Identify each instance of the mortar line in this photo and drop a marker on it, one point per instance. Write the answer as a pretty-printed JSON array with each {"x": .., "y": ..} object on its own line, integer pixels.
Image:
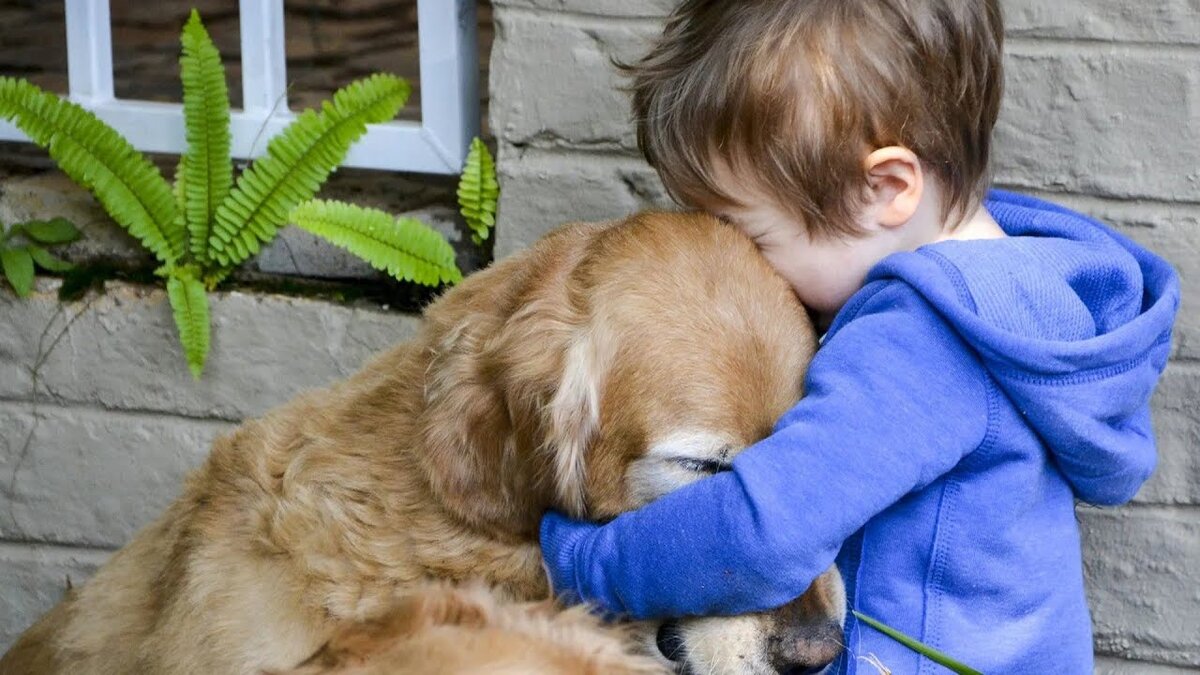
[
  {"x": 141, "y": 413},
  {"x": 582, "y": 19},
  {"x": 1045, "y": 45},
  {"x": 20, "y": 545}
]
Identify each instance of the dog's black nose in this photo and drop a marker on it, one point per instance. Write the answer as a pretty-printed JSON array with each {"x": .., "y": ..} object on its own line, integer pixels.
[
  {"x": 805, "y": 649},
  {"x": 670, "y": 641}
]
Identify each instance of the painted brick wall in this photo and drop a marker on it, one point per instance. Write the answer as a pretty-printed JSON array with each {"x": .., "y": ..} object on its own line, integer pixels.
[
  {"x": 1102, "y": 114},
  {"x": 99, "y": 420}
]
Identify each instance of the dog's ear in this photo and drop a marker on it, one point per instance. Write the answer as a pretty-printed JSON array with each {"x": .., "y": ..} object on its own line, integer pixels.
[
  {"x": 574, "y": 416},
  {"x": 511, "y": 377},
  {"x": 549, "y": 365}
]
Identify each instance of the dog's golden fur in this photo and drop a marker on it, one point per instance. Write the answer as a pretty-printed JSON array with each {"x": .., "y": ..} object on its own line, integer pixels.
[
  {"x": 448, "y": 630},
  {"x": 536, "y": 383}
]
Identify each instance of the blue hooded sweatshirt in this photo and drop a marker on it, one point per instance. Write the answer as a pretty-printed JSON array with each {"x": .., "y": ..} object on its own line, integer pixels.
[{"x": 962, "y": 401}]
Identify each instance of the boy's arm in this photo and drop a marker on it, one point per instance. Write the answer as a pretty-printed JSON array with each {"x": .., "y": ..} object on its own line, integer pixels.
[{"x": 894, "y": 400}]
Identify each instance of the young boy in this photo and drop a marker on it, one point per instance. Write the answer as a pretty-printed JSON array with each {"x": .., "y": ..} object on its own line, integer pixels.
[{"x": 989, "y": 361}]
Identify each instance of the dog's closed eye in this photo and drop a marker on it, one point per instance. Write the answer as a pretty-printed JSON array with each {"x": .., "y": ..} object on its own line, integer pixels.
[{"x": 709, "y": 466}]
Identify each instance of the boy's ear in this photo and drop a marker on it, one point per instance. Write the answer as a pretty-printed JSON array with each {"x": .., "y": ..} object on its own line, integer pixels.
[{"x": 895, "y": 185}]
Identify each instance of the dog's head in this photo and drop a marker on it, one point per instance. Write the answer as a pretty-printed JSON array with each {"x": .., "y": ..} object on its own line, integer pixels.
[{"x": 608, "y": 366}]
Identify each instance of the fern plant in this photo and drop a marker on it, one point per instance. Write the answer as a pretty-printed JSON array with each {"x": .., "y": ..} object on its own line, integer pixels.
[
  {"x": 406, "y": 248},
  {"x": 208, "y": 223},
  {"x": 479, "y": 191}
]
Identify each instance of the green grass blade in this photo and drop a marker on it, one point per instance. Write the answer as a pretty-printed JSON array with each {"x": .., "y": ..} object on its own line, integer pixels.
[
  {"x": 918, "y": 647},
  {"x": 206, "y": 171},
  {"x": 189, "y": 304},
  {"x": 94, "y": 155},
  {"x": 405, "y": 248}
]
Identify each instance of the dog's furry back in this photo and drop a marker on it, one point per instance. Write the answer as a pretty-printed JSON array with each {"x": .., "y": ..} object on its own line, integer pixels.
[
  {"x": 437, "y": 460},
  {"x": 321, "y": 511}
]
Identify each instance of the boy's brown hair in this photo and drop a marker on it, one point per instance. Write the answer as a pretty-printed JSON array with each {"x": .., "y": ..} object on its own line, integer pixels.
[{"x": 791, "y": 95}]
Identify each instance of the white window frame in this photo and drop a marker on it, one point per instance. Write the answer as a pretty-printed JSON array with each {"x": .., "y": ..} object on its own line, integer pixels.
[{"x": 437, "y": 144}]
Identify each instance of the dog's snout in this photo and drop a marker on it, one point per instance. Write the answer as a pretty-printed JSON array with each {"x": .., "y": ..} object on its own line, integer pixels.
[{"x": 804, "y": 649}]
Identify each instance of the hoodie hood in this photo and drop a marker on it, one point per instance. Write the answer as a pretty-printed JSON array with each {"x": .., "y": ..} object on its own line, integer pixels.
[{"x": 1073, "y": 321}]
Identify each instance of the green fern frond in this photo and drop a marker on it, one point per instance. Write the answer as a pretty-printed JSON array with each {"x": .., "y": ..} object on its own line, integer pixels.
[
  {"x": 94, "y": 155},
  {"x": 189, "y": 303},
  {"x": 296, "y": 164},
  {"x": 178, "y": 193},
  {"x": 478, "y": 191},
  {"x": 207, "y": 174},
  {"x": 405, "y": 248}
]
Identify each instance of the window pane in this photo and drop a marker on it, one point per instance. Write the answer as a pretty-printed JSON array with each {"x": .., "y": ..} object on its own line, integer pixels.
[{"x": 146, "y": 46}]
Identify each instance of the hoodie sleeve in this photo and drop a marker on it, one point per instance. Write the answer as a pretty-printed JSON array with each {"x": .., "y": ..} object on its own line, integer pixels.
[{"x": 894, "y": 400}]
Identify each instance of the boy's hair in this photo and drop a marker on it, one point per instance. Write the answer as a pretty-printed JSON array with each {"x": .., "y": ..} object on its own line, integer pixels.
[{"x": 790, "y": 95}]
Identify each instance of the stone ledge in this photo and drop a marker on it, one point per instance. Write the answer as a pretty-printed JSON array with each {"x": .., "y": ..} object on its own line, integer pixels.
[
  {"x": 293, "y": 253},
  {"x": 33, "y": 579},
  {"x": 1142, "y": 567},
  {"x": 120, "y": 351}
]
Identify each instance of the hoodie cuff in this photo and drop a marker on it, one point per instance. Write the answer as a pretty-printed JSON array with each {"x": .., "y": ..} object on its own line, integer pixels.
[{"x": 560, "y": 538}]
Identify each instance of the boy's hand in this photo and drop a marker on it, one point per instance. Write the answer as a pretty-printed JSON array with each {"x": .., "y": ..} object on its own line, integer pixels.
[{"x": 560, "y": 538}]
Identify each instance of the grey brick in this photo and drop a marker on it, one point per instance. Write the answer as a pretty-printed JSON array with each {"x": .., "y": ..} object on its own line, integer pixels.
[
  {"x": 554, "y": 85},
  {"x": 34, "y": 578},
  {"x": 606, "y": 8},
  {"x": 1112, "y": 122},
  {"x": 1108, "y": 121},
  {"x": 120, "y": 350},
  {"x": 1172, "y": 231},
  {"x": 1143, "y": 577},
  {"x": 1177, "y": 428},
  {"x": 1110, "y": 666},
  {"x": 1167, "y": 21},
  {"x": 91, "y": 477},
  {"x": 544, "y": 190},
  {"x": 1171, "y": 21}
]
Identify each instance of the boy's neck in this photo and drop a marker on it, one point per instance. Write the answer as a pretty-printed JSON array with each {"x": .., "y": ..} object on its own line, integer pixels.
[{"x": 980, "y": 225}]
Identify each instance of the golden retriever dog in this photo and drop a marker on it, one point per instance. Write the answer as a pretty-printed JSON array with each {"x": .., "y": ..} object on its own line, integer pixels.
[
  {"x": 450, "y": 630},
  {"x": 604, "y": 367}
]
